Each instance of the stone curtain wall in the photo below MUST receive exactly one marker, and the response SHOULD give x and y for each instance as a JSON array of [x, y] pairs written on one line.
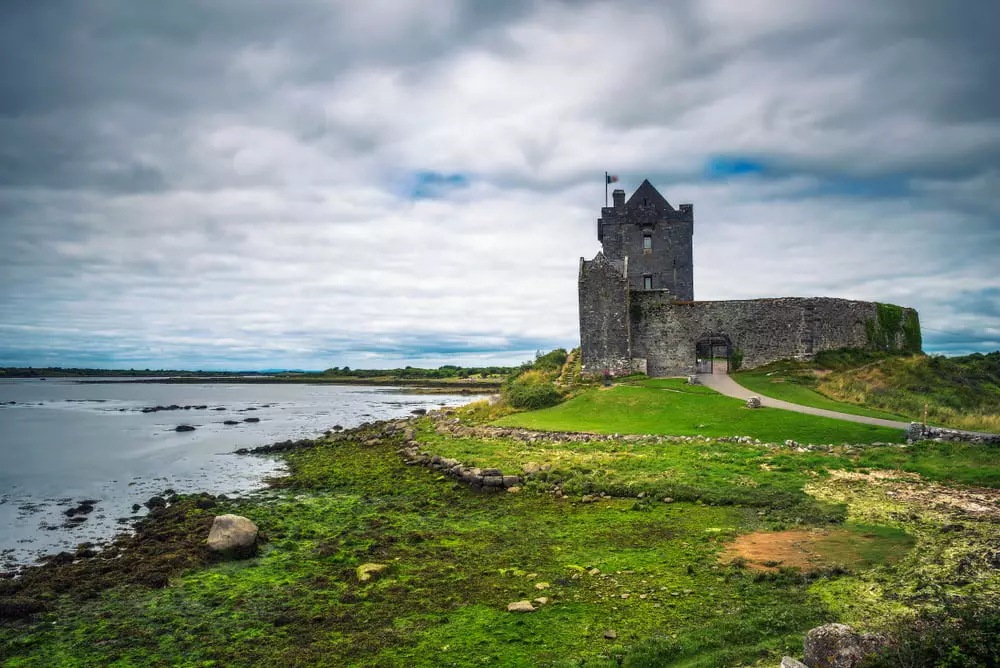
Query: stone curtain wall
[[664, 332], [604, 319]]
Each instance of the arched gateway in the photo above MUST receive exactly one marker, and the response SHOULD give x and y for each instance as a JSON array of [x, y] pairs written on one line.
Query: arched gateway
[[712, 353]]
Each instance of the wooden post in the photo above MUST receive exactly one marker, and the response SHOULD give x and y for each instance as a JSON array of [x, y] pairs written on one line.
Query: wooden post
[[925, 417]]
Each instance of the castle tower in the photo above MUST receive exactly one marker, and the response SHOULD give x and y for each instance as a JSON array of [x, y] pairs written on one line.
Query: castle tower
[[657, 239]]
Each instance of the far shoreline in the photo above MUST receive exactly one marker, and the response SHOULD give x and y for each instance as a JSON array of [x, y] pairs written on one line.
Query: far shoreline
[[419, 385]]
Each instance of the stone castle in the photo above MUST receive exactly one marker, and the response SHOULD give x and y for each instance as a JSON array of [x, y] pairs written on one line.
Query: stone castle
[[638, 313]]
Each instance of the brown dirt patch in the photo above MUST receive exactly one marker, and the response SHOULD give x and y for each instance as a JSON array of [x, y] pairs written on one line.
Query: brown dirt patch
[[807, 550]]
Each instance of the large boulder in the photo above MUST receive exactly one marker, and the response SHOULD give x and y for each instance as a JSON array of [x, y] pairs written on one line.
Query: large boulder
[[233, 535], [839, 646], [753, 402]]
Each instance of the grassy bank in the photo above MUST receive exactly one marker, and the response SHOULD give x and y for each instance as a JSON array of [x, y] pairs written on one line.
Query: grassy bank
[[630, 580], [669, 406], [960, 392]]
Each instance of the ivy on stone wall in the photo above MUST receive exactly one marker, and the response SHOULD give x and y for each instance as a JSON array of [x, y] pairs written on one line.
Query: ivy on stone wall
[[736, 359], [893, 329]]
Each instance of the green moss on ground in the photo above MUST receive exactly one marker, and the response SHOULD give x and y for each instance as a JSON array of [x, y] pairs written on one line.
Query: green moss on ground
[[455, 559], [668, 406]]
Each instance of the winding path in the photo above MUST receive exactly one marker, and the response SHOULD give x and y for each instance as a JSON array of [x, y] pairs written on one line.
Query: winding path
[[722, 383]]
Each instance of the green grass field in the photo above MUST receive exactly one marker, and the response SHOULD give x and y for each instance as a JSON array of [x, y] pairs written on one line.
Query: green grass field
[[790, 389], [456, 559], [669, 406]]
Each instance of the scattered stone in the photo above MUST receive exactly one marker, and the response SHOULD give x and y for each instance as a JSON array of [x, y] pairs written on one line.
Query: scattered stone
[[492, 481], [789, 662], [520, 606], [625, 595], [610, 634], [155, 502], [594, 571], [541, 585], [791, 444], [366, 572], [337, 427], [839, 646], [85, 508], [184, 427], [233, 534], [542, 600], [136, 507], [513, 490], [420, 411], [753, 402]]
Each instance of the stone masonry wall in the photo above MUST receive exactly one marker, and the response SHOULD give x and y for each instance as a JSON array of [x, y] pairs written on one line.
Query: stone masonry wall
[[604, 317], [665, 332]]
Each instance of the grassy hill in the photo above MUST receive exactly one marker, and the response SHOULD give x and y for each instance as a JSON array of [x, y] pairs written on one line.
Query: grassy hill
[[960, 392]]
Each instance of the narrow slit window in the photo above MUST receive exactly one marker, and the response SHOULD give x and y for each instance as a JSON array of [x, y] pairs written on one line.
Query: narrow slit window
[[647, 241], [647, 282]]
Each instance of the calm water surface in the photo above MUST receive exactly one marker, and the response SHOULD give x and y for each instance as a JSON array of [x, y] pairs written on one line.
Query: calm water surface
[[64, 441]]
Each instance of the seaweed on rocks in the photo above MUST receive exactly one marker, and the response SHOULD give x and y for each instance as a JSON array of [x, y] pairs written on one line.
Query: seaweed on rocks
[[169, 540]]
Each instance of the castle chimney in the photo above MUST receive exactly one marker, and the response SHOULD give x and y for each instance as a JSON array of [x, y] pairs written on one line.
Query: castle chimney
[[619, 198]]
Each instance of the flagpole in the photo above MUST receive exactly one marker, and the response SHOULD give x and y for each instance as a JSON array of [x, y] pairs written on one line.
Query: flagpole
[[605, 190]]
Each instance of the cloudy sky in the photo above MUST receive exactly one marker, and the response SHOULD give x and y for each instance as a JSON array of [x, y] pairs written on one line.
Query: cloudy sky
[[305, 184]]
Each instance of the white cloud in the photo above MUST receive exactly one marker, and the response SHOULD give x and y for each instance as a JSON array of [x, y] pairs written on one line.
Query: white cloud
[[244, 199]]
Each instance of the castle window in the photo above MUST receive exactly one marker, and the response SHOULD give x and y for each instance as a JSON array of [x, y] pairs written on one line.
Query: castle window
[[647, 241], [647, 282]]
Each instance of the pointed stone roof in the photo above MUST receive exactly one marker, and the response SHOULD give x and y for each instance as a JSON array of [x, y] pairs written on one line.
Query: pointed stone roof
[[647, 195]]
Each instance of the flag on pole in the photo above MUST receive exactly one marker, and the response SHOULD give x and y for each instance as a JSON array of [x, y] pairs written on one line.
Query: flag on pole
[[610, 178]]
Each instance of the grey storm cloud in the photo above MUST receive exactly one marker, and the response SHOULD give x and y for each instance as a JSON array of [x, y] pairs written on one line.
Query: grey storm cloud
[[224, 183]]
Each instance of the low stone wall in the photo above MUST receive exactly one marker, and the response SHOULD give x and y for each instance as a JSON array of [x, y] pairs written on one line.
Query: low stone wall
[[919, 432]]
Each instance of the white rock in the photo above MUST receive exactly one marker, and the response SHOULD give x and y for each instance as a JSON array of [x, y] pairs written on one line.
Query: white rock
[[232, 533]]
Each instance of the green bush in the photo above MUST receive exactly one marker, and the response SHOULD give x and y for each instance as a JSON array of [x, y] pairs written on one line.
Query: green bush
[[531, 389], [551, 361]]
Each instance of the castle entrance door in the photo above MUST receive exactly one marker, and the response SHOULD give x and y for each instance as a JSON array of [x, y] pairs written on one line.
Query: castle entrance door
[[712, 353]]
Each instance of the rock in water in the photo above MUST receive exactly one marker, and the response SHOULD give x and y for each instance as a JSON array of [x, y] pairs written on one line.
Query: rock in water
[[366, 572], [520, 606], [233, 534], [184, 427], [753, 402], [838, 646]]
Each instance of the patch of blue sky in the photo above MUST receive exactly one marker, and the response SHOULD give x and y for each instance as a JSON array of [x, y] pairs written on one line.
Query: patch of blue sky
[[721, 167], [431, 185]]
